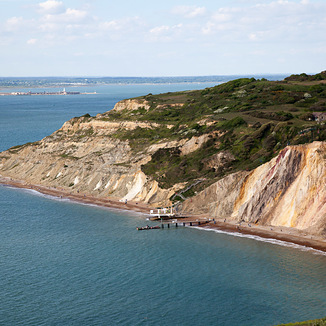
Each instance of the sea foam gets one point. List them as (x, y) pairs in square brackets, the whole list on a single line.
[(72, 201), (267, 240)]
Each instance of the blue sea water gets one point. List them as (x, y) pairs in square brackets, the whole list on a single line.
[(64, 263)]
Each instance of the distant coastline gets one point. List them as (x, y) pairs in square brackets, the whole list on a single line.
[(63, 92), (26, 82)]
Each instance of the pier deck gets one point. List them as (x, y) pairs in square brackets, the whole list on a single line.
[(176, 223)]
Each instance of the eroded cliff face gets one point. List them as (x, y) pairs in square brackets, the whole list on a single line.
[(85, 156), (288, 191)]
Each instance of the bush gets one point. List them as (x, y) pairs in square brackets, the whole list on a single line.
[(269, 142), (278, 116), (287, 99), (233, 85), (233, 123), (317, 88), (249, 143), (263, 130), (321, 107), (307, 116), (277, 88), (284, 116)]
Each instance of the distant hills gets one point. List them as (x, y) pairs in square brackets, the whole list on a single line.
[(85, 81)]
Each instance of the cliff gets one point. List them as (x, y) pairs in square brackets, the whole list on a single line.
[(85, 156), (288, 191), (214, 151)]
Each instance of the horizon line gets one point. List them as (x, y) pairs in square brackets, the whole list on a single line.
[(176, 76)]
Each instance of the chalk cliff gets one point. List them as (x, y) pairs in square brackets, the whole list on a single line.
[(109, 156), (288, 191), (84, 156)]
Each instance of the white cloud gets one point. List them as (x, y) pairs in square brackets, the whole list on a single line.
[(115, 29), (110, 25), (189, 11), (32, 41), (160, 30), (51, 7), (253, 37), (277, 21), (245, 27), (221, 17), (71, 16), (165, 32), (14, 23), (208, 28), (74, 15), (257, 36), (49, 27)]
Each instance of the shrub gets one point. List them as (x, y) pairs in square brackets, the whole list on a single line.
[(277, 88), (263, 130), (249, 143), (284, 116), (318, 107), (269, 142), (307, 116), (317, 88), (233, 84), (278, 116), (233, 123), (287, 99)]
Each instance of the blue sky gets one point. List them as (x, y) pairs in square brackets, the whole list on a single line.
[(161, 38)]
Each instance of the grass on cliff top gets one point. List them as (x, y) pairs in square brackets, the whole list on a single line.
[(254, 118), (238, 96), (250, 120), (316, 322)]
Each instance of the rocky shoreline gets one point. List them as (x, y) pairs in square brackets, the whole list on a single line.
[(289, 235)]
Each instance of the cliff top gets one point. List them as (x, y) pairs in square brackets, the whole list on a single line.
[(206, 134), (249, 119)]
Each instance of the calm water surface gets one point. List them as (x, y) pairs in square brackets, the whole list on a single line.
[(63, 263)]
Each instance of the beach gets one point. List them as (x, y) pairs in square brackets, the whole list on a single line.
[(284, 234)]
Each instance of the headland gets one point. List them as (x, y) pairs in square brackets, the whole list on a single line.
[(249, 154)]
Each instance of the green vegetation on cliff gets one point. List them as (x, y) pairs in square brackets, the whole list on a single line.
[(247, 122), (316, 322)]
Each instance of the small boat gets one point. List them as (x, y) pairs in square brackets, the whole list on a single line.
[(147, 227)]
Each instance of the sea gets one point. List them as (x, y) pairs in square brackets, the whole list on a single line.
[(66, 263)]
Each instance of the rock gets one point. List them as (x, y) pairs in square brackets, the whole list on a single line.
[(84, 156), (131, 105), (288, 191)]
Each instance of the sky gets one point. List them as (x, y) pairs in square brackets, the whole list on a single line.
[(161, 38)]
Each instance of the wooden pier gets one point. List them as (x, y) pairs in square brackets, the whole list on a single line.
[(176, 224), (184, 223)]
